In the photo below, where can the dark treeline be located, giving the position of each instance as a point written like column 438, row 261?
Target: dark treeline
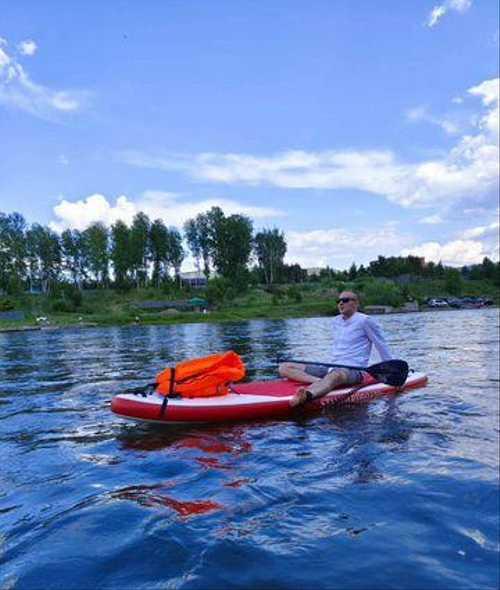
column 149, row 253
column 416, row 266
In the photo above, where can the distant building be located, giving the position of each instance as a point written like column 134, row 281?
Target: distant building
column 314, row 272
column 195, row 279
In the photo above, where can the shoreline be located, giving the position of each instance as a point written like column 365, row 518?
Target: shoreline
column 210, row 318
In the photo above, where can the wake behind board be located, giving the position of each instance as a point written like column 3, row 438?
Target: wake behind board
column 246, row 401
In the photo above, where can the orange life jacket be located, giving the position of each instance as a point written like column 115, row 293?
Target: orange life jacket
column 202, row 377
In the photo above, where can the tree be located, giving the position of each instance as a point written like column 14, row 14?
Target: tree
column 453, row 281
column 96, row 238
column 294, row 273
column 353, row 272
column 270, row 249
column 488, row 268
column 362, row 272
column 230, row 240
column 202, row 224
column 44, row 256
column 200, row 239
column 193, row 240
column 175, row 252
column 377, row 267
column 12, row 251
column 139, row 247
column 159, row 244
column 120, row 252
column 74, row 255
column 439, row 270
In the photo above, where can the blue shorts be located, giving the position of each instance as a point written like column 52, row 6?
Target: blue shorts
column 352, row 376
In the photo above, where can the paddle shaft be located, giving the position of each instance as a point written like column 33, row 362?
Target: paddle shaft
column 302, row 362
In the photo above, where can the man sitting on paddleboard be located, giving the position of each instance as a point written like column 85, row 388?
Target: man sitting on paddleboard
column 355, row 334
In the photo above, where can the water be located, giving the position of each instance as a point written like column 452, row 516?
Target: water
column 402, row 493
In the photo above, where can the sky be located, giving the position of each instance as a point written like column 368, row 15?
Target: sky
column 359, row 129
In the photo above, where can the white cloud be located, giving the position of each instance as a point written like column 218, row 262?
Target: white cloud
column 18, row 91
column 489, row 91
column 431, row 219
column 338, row 248
column 483, row 231
column 28, row 47
column 470, row 248
column 468, row 171
column 460, row 5
column 4, row 59
column 435, row 15
column 81, row 214
column 455, row 253
column 439, row 11
column 156, row 204
column 421, row 114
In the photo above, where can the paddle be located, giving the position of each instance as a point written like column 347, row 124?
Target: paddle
column 393, row 372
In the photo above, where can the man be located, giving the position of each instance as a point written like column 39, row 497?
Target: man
column 355, row 334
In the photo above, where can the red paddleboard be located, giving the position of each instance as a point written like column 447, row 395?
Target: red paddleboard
column 246, row 401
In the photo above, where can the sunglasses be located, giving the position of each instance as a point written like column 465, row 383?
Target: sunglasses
column 345, row 299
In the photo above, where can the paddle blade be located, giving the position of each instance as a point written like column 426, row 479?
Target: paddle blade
column 393, row 372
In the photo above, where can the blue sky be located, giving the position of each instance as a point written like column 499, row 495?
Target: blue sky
column 358, row 128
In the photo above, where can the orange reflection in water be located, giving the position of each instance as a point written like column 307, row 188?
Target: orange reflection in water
column 206, row 444
column 192, row 508
column 151, row 497
column 221, row 441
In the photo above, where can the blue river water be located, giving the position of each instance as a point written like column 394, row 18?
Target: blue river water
column 400, row 493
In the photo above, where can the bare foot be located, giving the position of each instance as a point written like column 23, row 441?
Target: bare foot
column 299, row 398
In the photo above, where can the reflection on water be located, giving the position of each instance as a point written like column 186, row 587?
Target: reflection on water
column 337, row 495
column 154, row 497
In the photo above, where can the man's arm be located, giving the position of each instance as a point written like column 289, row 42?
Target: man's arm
column 376, row 336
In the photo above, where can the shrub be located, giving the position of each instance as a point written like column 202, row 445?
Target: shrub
column 240, row 279
column 275, row 291
column 73, row 295
column 453, row 281
column 61, row 305
column 6, row 305
column 383, row 293
column 294, row 294
column 218, row 290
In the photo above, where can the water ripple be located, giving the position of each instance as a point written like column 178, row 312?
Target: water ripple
column 403, row 492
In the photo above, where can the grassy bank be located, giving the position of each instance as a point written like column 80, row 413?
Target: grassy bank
column 111, row 308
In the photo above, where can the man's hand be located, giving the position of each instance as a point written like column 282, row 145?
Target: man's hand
column 300, row 397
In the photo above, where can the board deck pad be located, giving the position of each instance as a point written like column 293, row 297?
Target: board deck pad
column 278, row 388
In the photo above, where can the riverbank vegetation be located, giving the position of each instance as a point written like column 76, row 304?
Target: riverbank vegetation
column 104, row 276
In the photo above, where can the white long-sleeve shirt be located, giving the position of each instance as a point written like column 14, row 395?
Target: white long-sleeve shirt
column 354, row 338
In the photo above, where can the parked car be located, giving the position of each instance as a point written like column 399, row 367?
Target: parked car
column 472, row 302
column 437, row 302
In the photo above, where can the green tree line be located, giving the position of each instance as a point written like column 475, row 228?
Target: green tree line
column 400, row 267
column 149, row 253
